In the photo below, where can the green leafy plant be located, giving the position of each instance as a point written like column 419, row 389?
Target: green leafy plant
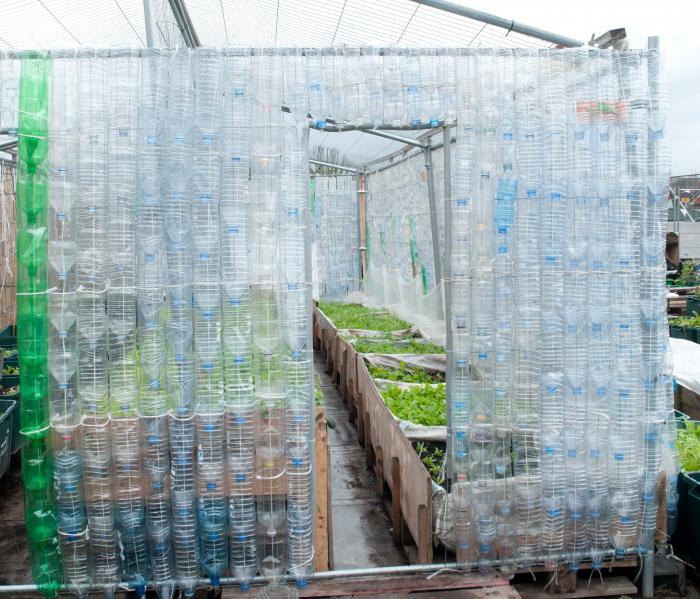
column 9, row 353
column 689, row 447
column 318, row 394
column 685, row 322
column 424, row 405
column 357, row 316
column 411, row 346
column 688, row 275
column 433, row 459
column 403, row 374
column 10, row 370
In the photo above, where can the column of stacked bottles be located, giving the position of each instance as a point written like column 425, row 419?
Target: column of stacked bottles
column 32, row 322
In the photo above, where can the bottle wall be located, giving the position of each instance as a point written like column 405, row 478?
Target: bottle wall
column 164, row 300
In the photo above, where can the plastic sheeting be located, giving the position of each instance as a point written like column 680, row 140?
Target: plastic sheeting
column 686, row 363
column 335, row 246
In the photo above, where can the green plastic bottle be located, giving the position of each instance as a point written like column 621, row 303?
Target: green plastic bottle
column 32, row 322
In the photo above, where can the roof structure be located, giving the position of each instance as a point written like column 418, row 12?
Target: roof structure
column 49, row 24
column 305, row 23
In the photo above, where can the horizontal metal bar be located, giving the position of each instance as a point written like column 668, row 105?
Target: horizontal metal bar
column 402, row 154
column 409, row 141
column 369, row 128
column 508, row 24
column 339, row 167
column 7, row 145
column 359, row 572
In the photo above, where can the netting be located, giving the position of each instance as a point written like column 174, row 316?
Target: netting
column 164, row 301
column 336, row 255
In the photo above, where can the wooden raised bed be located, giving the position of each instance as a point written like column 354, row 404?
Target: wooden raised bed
column 400, row 473
column 397, row 466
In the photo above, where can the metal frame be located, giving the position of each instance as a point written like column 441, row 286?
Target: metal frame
column 148, row 22
column 427, row 150
column 509, row 24
column 446, row 297
column 339, row 167
column 434, row 229
column 182, row 18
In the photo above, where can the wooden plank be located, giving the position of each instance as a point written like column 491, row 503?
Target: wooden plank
column 329, row 507
column 395, row 500
column 323, row 490
column 468, row 587
column 495, row 593
column 415, row 493
column 612, row 586
column 384, row 585
column 661, row 515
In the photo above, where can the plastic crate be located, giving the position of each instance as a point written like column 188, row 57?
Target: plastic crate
column 8, row 339
column 693, row 334
column 7, row 410
column 693, row 305
column 16, row 437
column 9, row 380
column 688, row 529
column 681, row 333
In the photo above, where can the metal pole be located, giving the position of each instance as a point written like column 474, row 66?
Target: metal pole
column 361, row 222
column 676, row 211
column 400, row 138
column 339, row 167
column 184, row 23
column 8, row 145
column 148, row 22
column 509, row 24
column 434, row 229
column 447, row 293
column 377, row 130
column 332, row 574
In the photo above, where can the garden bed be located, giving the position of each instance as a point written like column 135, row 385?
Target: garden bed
column 408, row 382
column 687, row 327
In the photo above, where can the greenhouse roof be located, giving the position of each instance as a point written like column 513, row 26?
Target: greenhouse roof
column 307, row 23
column 299, row 23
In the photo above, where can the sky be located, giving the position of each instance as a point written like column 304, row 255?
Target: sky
column 676, row 22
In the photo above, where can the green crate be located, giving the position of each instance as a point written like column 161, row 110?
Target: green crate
column 7, row 410
column 9, row 380
column 688, row 528
column 693, row 308
column 681, row 333
column 8, row 338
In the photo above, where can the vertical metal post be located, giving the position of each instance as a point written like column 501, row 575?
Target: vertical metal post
column 148, row 22
column 447, row 293
column 676, row 210
column 361, row 223
column 434, row 230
